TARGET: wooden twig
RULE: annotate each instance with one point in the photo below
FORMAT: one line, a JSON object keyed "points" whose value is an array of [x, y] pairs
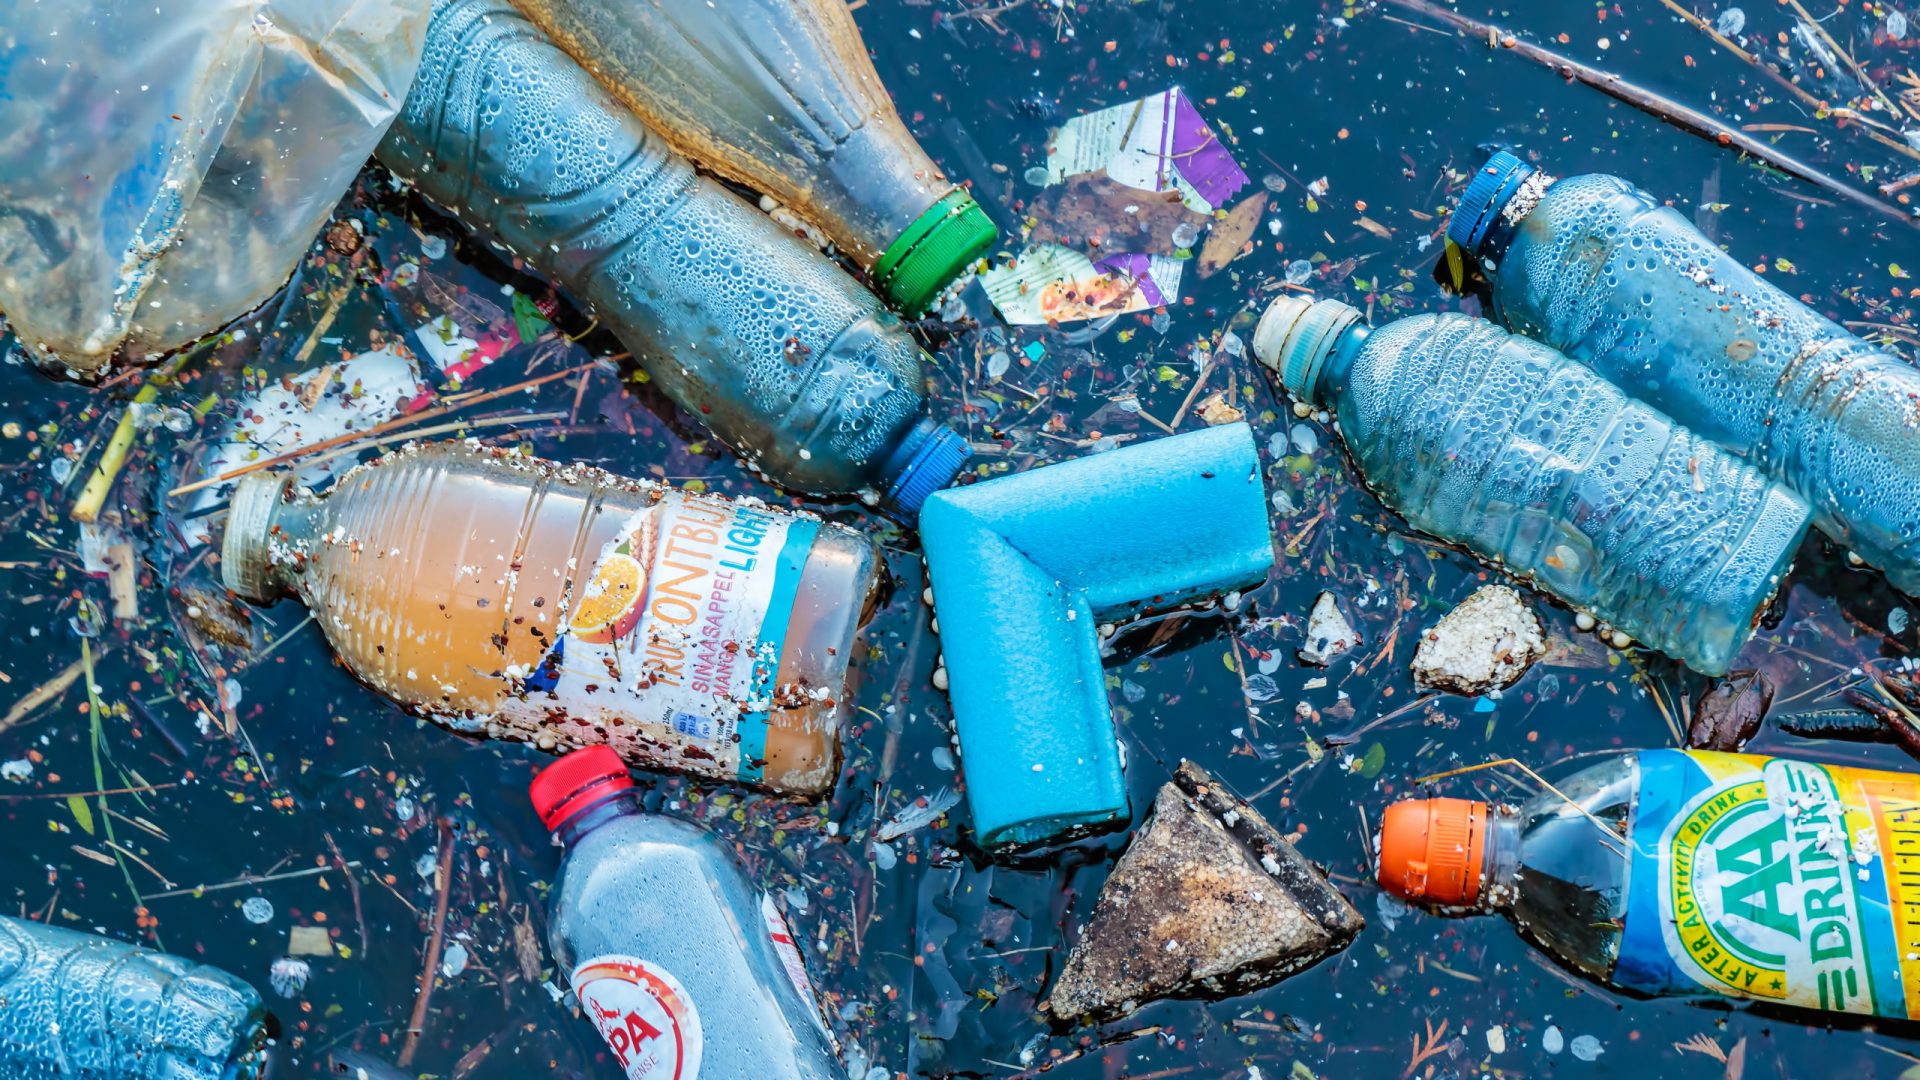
{"points": [[443, 887], [353, 888], [1684, 117], [47, 692], [378, 429]]}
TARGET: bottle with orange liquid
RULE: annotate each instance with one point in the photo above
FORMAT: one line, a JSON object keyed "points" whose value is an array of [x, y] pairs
{"points": [[503, 595], [1692, 873]]}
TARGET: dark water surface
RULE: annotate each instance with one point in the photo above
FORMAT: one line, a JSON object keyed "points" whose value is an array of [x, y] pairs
{"points": [[933, 958]]}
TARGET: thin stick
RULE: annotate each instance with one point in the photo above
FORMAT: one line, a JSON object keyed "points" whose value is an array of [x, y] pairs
{"points": [[47, 691], [1858, 71], [378, 429], [1604, 828], [1685, 118], [112, 459], [1867, 123], [144, 789], [249, 879], [443, 887], [353, 887]]}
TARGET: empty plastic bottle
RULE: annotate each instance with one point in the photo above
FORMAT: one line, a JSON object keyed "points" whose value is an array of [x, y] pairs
{"points": [[1533, 462], [781, 96], [790, 361], [1692, 873], [1602, 271], [683, 967], [513, 597], [78, 1007]]}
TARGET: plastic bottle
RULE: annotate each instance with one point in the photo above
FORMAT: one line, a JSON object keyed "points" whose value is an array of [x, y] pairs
{"points": [[1533, 462], [1601, 270], [1692, 873], [781, 96], [78, 1007], [681, 965], [790, 361], [566, 606]]}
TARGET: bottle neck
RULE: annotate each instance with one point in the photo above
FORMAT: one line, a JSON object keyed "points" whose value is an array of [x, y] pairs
{"points": [[1329, 376], [267, 537], [620, 804], [1500, 859]]}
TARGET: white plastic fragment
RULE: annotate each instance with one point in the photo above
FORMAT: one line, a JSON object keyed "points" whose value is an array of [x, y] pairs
{"points": [[1485, 644], [1328, 632]]}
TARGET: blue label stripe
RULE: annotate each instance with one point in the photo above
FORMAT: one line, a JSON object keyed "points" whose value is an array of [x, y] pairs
{"points": [[773, 635]]}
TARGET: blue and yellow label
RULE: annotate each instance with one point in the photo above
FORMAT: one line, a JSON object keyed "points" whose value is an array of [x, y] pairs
{"points": [[1775, 880]]}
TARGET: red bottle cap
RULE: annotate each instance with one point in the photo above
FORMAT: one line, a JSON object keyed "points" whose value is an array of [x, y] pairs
{"points": [[575, 782], [1431, 850]]}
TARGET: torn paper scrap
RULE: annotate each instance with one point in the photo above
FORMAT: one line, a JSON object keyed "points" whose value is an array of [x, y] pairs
{"points": [[1158, 143], [1050, 284]]}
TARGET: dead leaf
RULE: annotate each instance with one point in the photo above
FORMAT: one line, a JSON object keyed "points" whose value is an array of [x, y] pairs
{"points": [[1374, 227], [1102, 216], [1215, 410], [1231, 234]]}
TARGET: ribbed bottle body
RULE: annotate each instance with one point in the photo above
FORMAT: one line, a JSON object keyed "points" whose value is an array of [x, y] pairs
{"points": [[1603, 272], [1532, 461], [786, 358], [78, 1006]]}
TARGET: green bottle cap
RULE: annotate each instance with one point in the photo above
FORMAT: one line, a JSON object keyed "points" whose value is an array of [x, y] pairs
{"points": [[934, 250]]}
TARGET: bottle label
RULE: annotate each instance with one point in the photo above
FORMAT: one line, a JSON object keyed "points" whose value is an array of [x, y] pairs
{"points": [[781, 934], [1775, 880], [646, 1016], [676, 636]]}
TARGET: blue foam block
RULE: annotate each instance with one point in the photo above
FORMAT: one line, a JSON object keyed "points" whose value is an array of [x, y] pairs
{"points": [[1025, 567]]}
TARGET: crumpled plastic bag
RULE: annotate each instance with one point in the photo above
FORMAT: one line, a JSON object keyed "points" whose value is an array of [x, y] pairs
{"points": [[164, 164]]}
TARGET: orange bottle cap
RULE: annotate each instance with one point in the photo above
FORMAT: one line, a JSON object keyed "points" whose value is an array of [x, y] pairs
{"points": [[1430, 849]]}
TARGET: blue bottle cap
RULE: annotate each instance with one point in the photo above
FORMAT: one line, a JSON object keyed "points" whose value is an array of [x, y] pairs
{"points": [[1486, 196], [927, 460]]}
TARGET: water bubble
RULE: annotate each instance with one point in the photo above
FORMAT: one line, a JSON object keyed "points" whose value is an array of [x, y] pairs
{"points": [[1037, 176], [942, 759], [797, 898], [1298, 271], [454, 960], [1897, 25], [1132, 691], [998, 363], [884, 857], [1586, 1048], [1185, 233], [257, 909], [61, 468], [1274, 182], [426, 864], [1232, 345], [433, 247], [403, 808], [1897, 621], [1305, 439]]}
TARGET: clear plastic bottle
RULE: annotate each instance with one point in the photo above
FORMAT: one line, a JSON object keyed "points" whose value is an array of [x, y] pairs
{"points": [[789, 361], [781, 96], [1500, 444], [513, 597], [1691, 873], [78, 1007], [683, 967], [1600, 270]]}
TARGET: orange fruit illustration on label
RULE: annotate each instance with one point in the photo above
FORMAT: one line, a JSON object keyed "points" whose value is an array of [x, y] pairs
{"points": [[611, 606]]}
